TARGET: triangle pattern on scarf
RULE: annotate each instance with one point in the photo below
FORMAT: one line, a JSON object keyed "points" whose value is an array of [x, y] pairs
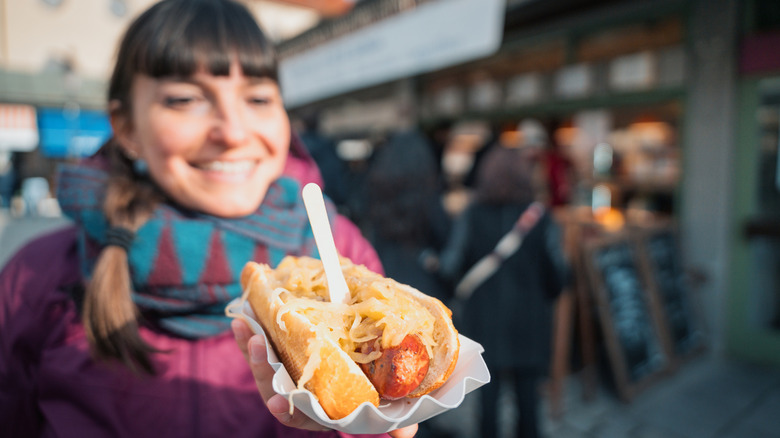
{"points": [[145, 243], [166, 265], [261, 255], [186, 265], [188, 237], [217, 269], [241, 251]]}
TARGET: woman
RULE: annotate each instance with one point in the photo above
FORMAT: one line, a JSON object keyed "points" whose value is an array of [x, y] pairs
{"points": [[510, 312], [115, 326]]}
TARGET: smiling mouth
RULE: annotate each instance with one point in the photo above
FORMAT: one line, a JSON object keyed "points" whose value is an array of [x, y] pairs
{"points": [[229, 167]]}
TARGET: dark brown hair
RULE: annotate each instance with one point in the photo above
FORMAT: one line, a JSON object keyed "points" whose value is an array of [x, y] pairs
{"points": [[506, 176], [402, 185], [173, 38]]}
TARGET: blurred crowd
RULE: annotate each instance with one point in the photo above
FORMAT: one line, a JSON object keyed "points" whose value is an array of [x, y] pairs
{"points": [[435, 204]]}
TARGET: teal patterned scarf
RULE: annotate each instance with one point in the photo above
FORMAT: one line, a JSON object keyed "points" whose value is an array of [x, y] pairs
{"points": [[186, 266]]}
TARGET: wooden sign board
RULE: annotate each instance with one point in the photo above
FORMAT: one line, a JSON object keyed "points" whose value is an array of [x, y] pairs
{"points": [[629, 316], [662, 264]]}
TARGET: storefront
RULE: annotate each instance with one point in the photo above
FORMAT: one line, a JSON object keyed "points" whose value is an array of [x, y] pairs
{"points": [[618, 84], [611, 85], [615, 78], [754, 296], [655, 90]]}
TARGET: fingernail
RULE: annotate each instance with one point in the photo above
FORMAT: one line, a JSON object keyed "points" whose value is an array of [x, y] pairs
{"points": [[279, 407]]}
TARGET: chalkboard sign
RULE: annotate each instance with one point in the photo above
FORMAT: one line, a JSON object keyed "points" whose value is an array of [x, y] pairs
{"points": [[666, 276], [628, 314]]}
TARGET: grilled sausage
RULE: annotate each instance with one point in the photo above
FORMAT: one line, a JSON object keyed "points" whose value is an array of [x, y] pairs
{"points": [[399, 370]]}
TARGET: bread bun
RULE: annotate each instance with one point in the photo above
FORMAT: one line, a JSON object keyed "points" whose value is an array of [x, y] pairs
{"points": [[317, 341]]}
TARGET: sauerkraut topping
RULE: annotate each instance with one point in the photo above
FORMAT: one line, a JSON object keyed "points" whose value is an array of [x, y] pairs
{"points": [[375, 311]]}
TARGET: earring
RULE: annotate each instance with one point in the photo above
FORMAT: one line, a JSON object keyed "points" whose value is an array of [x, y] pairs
{"points": [[139, 164], [140, 167]]}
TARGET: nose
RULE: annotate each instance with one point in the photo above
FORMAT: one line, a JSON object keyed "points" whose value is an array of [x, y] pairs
{"points": [[230, 128]]}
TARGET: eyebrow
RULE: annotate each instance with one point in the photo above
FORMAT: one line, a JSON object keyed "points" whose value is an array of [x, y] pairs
{"points": [[252, 80]]}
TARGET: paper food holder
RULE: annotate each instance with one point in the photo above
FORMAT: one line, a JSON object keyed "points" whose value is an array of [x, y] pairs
{"points": [[470, 373]]}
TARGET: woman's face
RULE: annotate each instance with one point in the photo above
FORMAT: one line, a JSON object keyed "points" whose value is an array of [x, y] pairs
{"points": [[213, 144]]}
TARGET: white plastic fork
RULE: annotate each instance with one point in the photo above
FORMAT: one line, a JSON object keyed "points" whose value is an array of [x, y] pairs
{"points": [[323, 236]]}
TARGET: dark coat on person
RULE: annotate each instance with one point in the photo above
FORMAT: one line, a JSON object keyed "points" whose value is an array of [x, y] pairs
{"points": [[510, 314]]}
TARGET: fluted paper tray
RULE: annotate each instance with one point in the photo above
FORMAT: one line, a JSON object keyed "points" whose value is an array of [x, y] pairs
{"points": [[470, 373]]}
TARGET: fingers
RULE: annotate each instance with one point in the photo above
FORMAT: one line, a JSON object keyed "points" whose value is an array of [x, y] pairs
{"points": [[254, 350], [406, 432], [261, 369], [280, 408], [242, 333]]}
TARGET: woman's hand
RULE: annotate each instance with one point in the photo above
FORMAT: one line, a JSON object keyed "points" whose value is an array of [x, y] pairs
{"points": [[406, 432], [254, 350]]}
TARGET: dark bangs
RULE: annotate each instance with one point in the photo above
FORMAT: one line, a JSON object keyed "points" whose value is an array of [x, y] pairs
{"points": [[180, 37]]}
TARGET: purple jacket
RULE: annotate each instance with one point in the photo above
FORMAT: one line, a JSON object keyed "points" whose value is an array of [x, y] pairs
{"points": [[50, 386]]}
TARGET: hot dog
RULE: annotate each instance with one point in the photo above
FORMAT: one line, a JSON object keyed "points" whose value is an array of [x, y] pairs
{"points": [[390, 340]]}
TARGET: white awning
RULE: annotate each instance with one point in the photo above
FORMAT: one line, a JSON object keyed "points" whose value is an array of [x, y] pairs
{"points": [[431, 36], [18, 128]]}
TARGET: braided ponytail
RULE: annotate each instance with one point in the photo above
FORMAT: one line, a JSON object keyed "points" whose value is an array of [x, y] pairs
{"points": [[109, 315]]}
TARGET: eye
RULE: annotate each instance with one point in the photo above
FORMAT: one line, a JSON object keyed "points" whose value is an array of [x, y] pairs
{"points": [[262, 93], [259, 100], [180, 101]]}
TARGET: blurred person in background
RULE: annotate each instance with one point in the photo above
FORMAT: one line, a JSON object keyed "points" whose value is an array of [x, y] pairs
{"points": [[7, 179], [34, 191], [115, 326], [335, 172], [510, 310], [559, 168], [465, 146], [534, 140], [554, 175], [405, 219], [438, 136]]}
